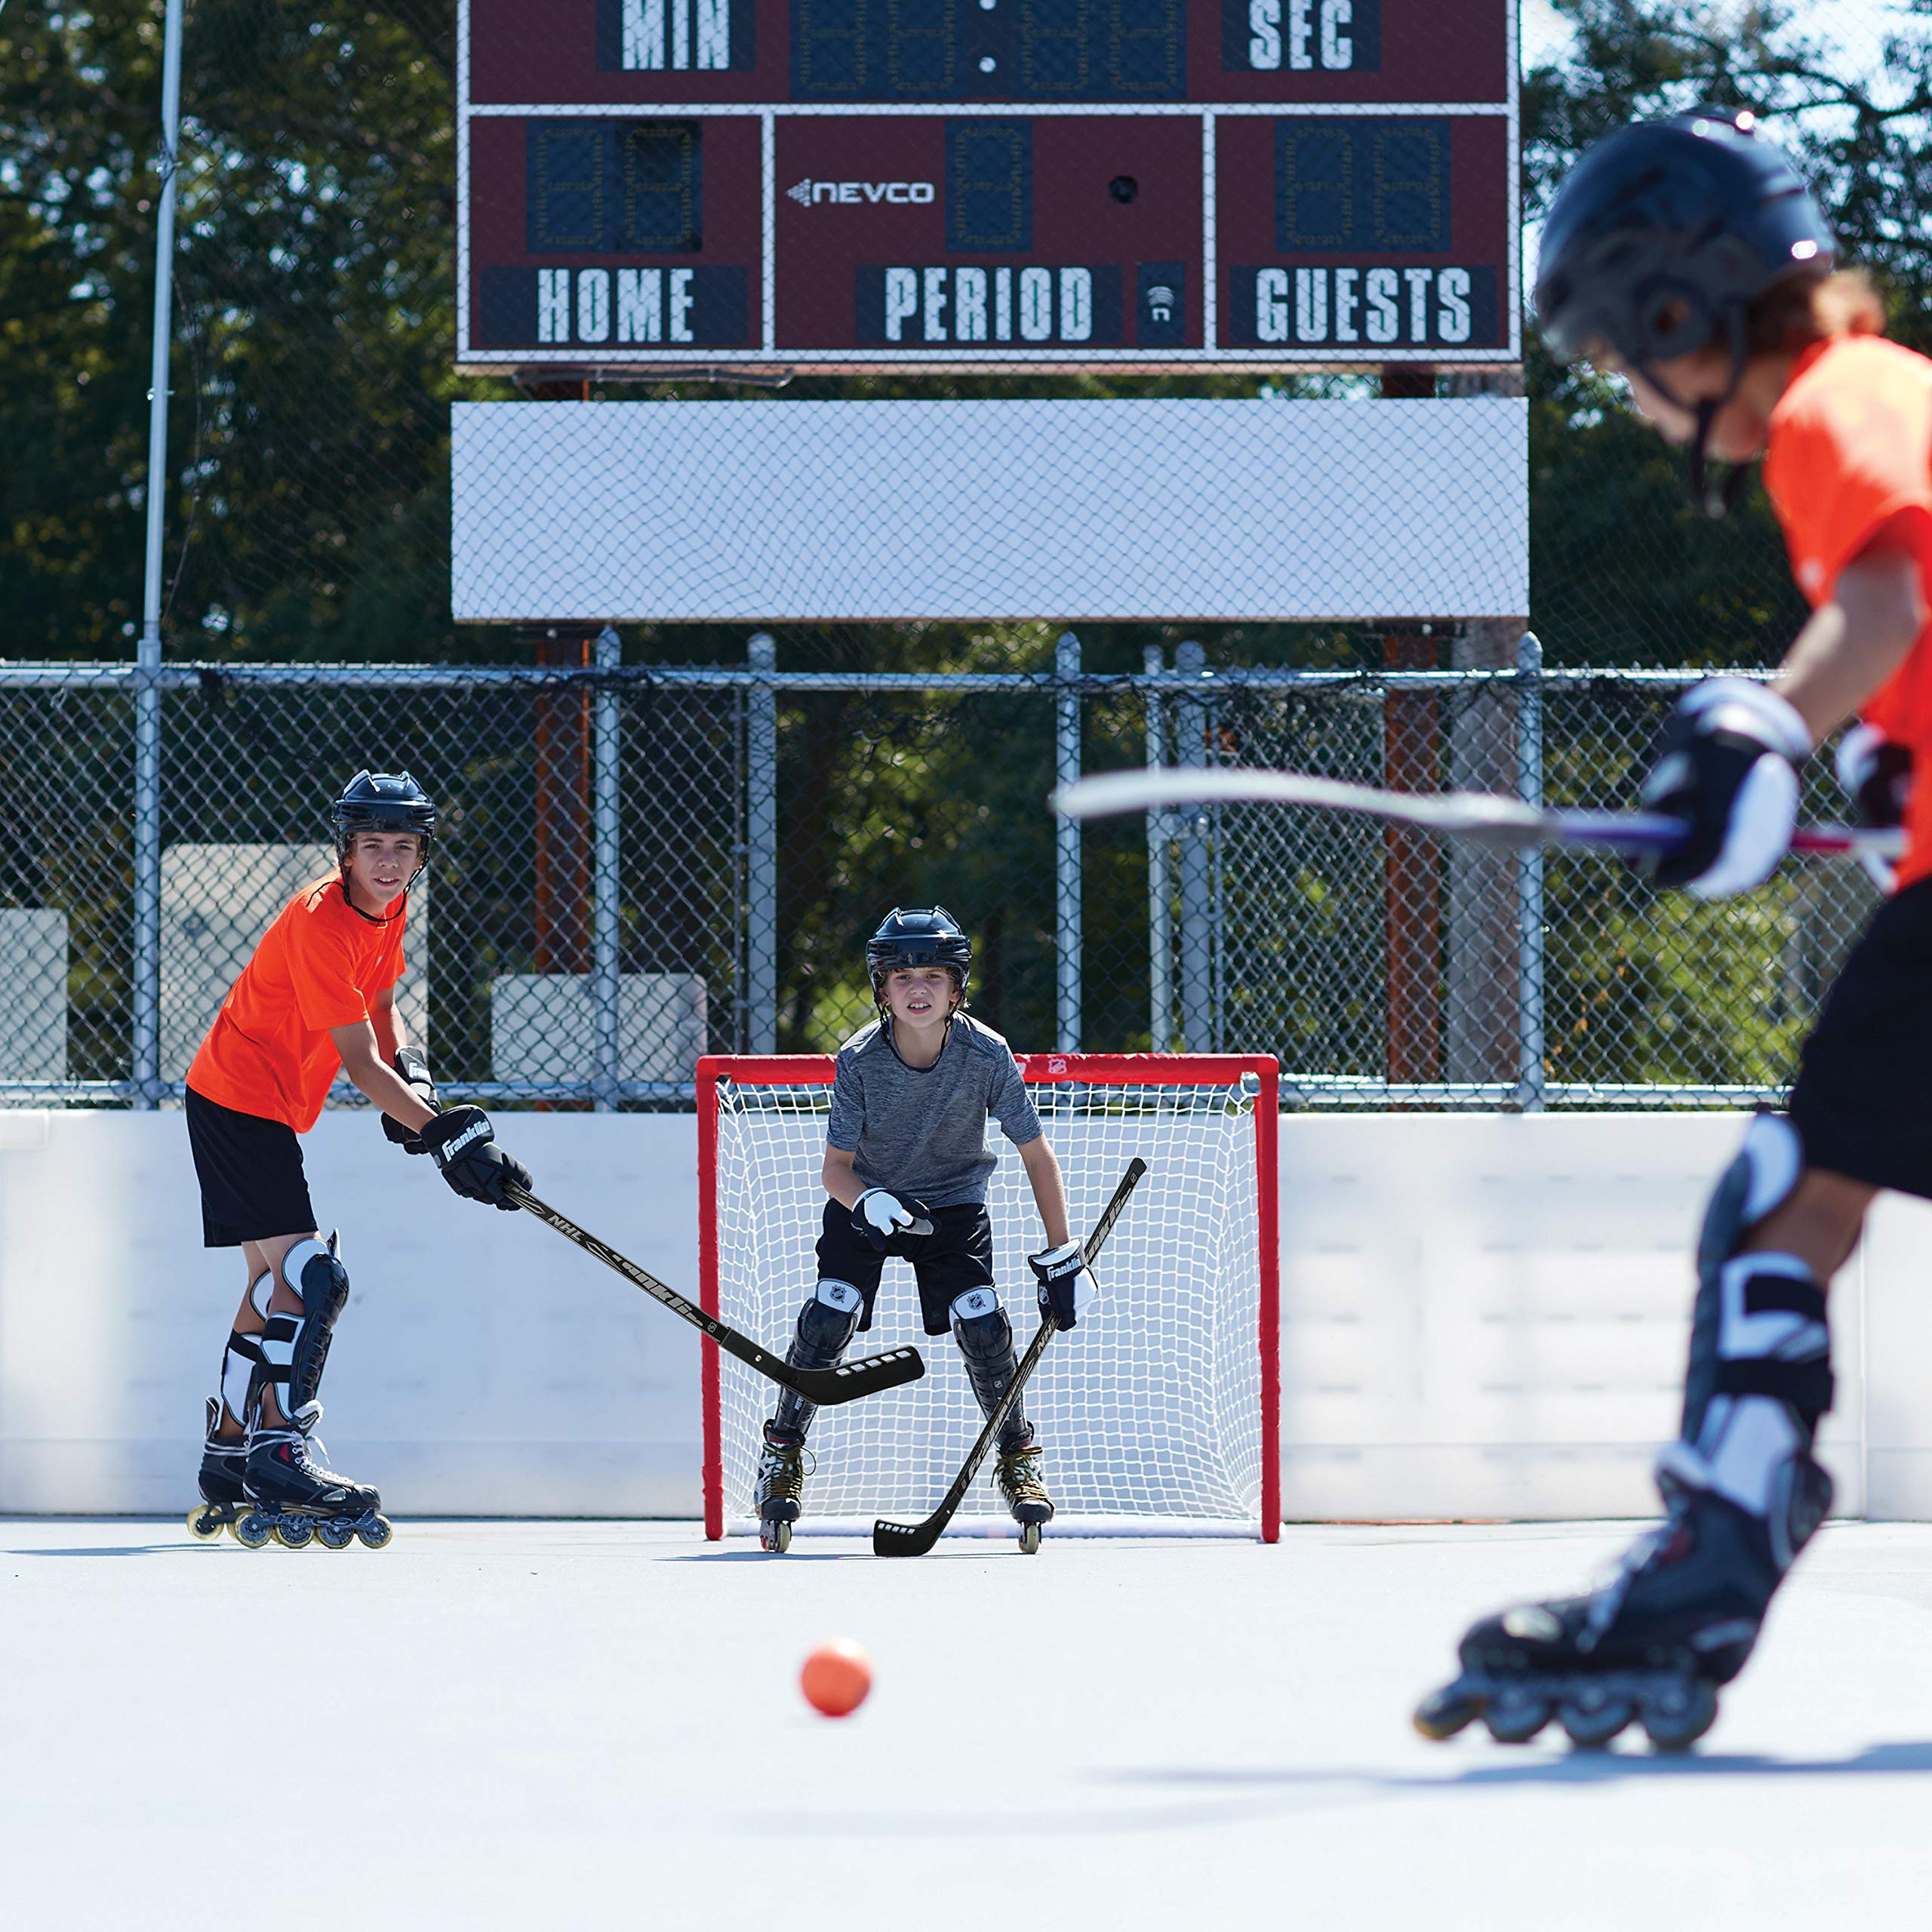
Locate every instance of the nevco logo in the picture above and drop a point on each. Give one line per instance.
(809, 193)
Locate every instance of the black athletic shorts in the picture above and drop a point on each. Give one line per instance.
(1863, 1103)
(957, 1256)
(253, 1187)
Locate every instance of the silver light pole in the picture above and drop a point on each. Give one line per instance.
(147, 656)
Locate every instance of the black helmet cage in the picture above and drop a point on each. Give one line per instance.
(1660, 241)
(384, 802)
(911, 936)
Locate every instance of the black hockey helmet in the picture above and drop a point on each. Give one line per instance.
(384, 802)
(919, 936)
(1663, 235)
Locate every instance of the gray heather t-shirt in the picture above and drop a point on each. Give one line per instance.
(922, 1131)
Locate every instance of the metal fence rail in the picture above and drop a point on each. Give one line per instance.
(641, 863)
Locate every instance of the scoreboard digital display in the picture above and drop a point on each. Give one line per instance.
(849, 184)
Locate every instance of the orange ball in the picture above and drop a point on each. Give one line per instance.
(836, 1677)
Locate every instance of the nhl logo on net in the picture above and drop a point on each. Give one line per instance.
(809, 193)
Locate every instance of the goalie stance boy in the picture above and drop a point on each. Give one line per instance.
(1686, 255)
(318, 994)
(906, 1167)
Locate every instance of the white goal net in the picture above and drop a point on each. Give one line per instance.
(1157, 1412)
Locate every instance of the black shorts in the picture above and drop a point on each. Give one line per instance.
(253, 1187)
(1863, 1103)
(957, 1256)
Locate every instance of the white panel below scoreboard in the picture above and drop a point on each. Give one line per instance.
(1172, 510)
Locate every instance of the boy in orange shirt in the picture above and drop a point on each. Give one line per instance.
(318, 994)
(1687, 256)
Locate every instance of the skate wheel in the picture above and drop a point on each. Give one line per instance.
(335, 1535)
(1443, 1713)
(1515, 1714)
(775, 1537)
(204, 1523)
(1030, 1538)
(376, 1533)
(1591, 1717)
(292, 1533)
(251, 1533)
(1674, 1717)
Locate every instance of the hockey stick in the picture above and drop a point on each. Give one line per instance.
(915, 1539)
(1478, 815)
(827, 1387)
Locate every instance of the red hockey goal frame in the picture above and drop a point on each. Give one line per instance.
(1150, 1069)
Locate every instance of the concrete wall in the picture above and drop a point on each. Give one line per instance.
(1482, 1316)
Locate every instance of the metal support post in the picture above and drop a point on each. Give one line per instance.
(1530, 961)
(1197, 935)
(1160, 885)
(147, 964)
(1066, 844)
(606, 749)
(762, 849)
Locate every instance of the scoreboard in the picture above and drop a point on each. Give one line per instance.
(837, 185)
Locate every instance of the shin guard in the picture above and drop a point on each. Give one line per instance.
(985, 1337)
(826, 1324)
(295, 1347)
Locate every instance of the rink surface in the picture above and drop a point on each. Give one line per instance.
(577, 1724)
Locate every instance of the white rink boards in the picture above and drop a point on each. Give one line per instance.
(551, 1725)
(1481, 1317)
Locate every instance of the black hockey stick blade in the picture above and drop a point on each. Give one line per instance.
(827, 1387)
(1481, 815)
(916, 1538)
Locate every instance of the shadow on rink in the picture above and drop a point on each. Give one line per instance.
(115, 1549)
(1580, 1767)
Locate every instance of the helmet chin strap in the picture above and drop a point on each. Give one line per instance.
(1716, 496)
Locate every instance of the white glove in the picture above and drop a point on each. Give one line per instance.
(1066, 1289)
(878, 1215)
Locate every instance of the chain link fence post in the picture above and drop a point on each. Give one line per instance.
(1160, 887)
(1529, 959)
(761, 854)
(1197, 937)
(606, 871)
(1066, 844)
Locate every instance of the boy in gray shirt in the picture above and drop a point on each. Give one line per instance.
(906, 1167)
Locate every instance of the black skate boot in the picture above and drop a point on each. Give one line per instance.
(224, 1500)
(297, 1496)
(781, 1482)
(1654, 1645)
(1018, 1473)
(1742, 1495)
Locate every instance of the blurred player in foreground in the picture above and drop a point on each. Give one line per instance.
(905, 1166)
(1686, 255)
(318, 994)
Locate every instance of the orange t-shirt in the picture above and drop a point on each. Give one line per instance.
(268, 1052)
(1850, 453)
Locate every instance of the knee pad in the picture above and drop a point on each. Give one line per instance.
(295, 1347)
(243, 1355)
(979, 1325)
(1758, 1329)
(827, 1324)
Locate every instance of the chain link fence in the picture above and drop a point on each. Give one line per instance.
(638, 864)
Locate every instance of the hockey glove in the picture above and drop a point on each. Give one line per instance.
(413, 1070)
(1066, 1289)
(463, 1143)
(1729, 770)
(1876, 773)
(877, 1216)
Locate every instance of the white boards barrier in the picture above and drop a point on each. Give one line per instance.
(1482, 1317)
(767, 513)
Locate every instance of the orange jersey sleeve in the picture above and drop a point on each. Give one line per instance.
(1849, 455)
(269, 1052)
